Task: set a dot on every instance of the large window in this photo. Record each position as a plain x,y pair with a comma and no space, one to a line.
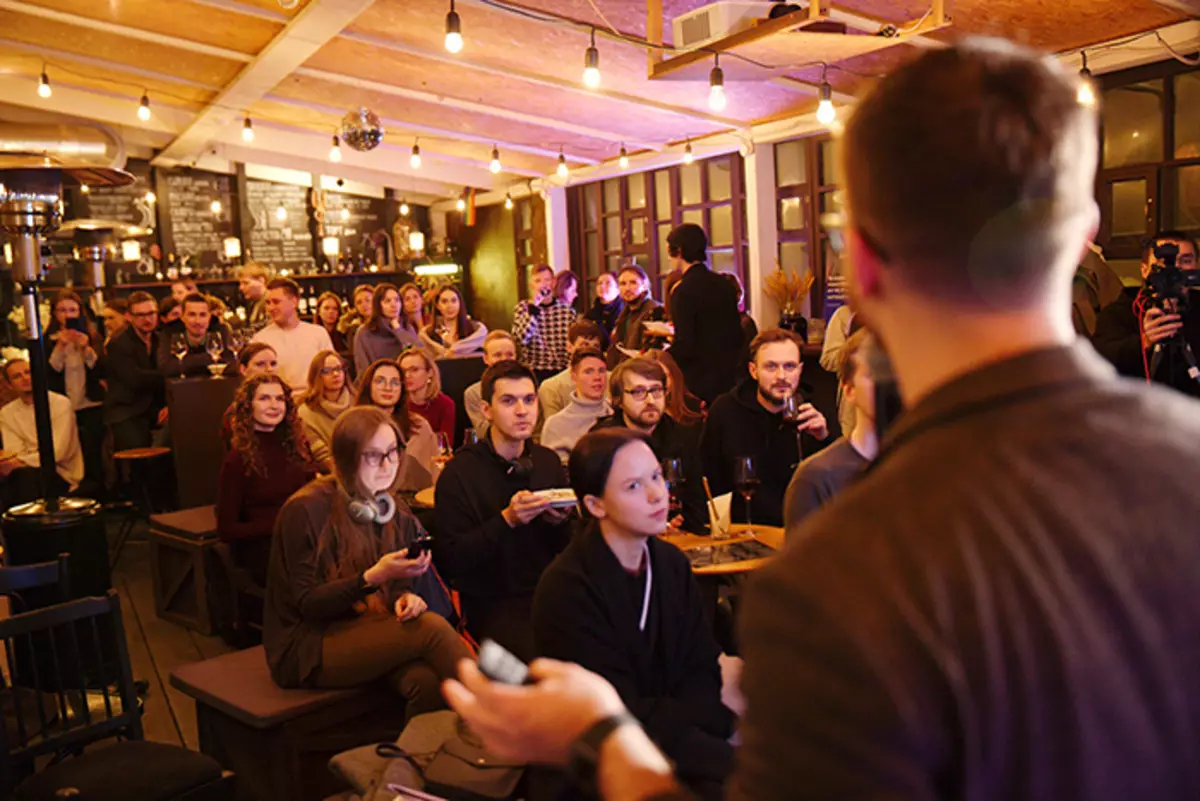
806,181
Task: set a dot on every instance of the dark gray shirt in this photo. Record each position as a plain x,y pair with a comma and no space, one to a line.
819,478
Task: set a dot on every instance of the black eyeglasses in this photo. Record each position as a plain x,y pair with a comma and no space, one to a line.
375,458
641,393
332,370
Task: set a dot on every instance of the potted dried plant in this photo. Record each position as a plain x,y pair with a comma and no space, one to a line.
788,289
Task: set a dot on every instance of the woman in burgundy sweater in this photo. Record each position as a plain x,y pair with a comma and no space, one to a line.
268,461
423,391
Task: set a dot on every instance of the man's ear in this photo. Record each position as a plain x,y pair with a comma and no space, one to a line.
486,408
864,263
595,506
753,370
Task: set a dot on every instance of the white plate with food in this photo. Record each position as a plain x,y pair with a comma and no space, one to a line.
559,498
658,328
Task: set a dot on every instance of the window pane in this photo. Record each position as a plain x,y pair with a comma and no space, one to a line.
721,261
1185,183
613,263
663,232
612,194
637,231
790,169
662,194
689,184
527,215
829,166
592,257
527,248
591,208
612,233
694,216
1129,207
1133,124
637,191
720,222
791,214
720,185
794,256
1187,115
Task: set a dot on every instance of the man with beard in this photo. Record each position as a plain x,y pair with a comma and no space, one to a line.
748,422
638,388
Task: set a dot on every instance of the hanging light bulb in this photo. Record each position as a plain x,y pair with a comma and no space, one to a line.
454,40
716,86
335,152
591,65
1086,94
247,131
215,206
623,160
562,165
415,158
495,166
688,157
461,204
84,188
826,113
144,108
151,198
44,84
281,213
345,214
508,204
403,208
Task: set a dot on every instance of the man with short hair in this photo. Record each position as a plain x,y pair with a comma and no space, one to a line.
638,392
748,422
498,346
563,429
704,310
540,325
135,402
296,343
819,478
555,392
20,460
1139,335
195,323
252,283
497,534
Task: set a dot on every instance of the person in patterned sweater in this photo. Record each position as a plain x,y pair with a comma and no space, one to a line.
540,326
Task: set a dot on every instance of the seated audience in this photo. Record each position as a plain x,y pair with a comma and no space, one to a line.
76,370
218,308
329,311
327,396
194,327
451,333
496,536
359,313
113,314
135,403
19,459
169,310
606,306
382,386
566,288
345,605
414,309
629,335
383,335
555,392
182,288
748,422
749,327
1095,286
588,404
638,389
841,325
423,392
256,358
540,325
682,405
252,283
295,341
498,346
820,477
269,460
621,602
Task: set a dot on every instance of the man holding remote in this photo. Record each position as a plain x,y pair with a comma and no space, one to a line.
495,533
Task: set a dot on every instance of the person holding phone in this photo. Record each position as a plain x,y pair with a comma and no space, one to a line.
76,370
541,324
345,603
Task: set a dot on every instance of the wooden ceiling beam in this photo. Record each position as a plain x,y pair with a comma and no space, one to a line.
50,53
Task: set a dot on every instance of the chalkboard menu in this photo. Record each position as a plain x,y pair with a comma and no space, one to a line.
276,241
195,233
358,222
125,204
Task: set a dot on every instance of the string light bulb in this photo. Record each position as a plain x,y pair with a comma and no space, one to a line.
335,152
345,214
143,111
215,206
688,156
591,65
403,208
562,165
415,159
716,86
281,213
151,198
508,204
247,131
826,113
454,40
461,204
495,166
84,188
1086,93
623,160
44,85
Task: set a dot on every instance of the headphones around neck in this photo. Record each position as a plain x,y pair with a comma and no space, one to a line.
380,509
521,467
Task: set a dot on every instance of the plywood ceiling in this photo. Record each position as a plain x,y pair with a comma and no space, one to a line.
516,83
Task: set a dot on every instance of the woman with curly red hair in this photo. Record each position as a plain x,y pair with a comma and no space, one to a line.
268,461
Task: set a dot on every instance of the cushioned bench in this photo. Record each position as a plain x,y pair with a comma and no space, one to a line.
279,741
181,546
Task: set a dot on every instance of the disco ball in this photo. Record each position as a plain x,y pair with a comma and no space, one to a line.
362,129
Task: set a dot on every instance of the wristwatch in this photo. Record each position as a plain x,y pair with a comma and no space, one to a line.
585,752
365,587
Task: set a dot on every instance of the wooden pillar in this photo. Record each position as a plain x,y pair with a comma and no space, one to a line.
761,233
654,32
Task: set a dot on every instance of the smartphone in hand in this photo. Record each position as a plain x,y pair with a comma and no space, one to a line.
500,665
420,546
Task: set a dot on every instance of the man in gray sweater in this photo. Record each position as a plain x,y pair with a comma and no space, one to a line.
588,403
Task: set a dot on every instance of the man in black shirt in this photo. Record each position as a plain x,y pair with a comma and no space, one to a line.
748,422
194,325
495,536
135,402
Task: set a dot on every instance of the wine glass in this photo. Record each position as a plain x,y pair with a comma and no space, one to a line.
444,451
179,346
673,474
470,437
746,480
237,341
792,414
215,345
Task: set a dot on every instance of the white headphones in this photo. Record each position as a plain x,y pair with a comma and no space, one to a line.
380,509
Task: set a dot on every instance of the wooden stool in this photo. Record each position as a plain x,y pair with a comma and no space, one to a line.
181,545
134,460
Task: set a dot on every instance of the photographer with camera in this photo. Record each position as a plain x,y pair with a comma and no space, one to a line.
1156,334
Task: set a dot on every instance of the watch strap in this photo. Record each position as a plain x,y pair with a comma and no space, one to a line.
585,752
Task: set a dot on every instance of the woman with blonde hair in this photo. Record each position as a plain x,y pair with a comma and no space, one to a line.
383,387
328,395
347,601
451,333
423,391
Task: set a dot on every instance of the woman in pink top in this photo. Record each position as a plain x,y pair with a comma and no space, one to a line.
423,391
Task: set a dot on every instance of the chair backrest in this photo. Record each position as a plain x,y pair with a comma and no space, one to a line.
24,577
62,660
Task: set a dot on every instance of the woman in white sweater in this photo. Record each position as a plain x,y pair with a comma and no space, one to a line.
328,395
451,333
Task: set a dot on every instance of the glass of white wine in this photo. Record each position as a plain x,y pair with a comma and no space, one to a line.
179,347
215,345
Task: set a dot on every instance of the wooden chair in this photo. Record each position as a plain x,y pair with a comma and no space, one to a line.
13,580
65,648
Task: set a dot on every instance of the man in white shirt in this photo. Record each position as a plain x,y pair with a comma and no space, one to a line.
19,461
588,403
498,346
296,343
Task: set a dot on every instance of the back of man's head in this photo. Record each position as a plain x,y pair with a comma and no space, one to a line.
969,172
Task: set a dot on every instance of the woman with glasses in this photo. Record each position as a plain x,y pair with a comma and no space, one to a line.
328,395
382,386
345,603
451,333
268,460
423,392
385,333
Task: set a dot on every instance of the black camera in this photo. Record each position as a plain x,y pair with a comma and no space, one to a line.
1166,281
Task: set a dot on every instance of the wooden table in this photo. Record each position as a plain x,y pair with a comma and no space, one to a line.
197,406
770,536
424,498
